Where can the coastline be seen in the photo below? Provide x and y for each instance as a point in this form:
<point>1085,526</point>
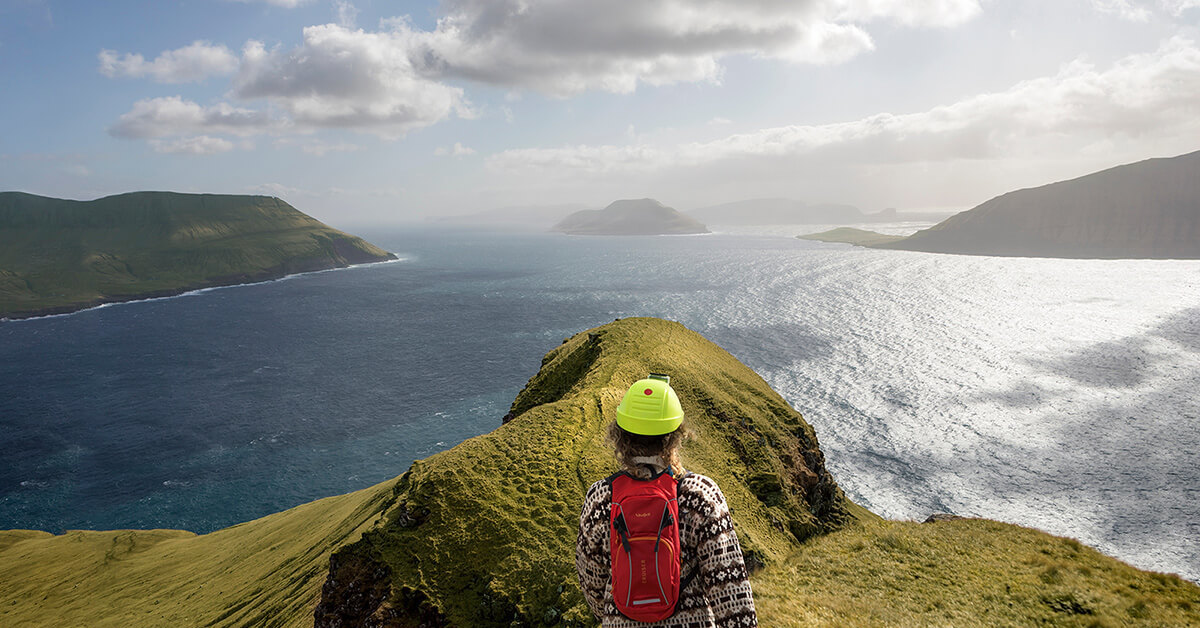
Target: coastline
<point>158,295</point>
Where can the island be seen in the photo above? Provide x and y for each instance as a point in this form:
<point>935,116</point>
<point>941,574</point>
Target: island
<point>1145,210</point>
<point>644,216</point>
<point>483,534</point>
<point>59,256</point>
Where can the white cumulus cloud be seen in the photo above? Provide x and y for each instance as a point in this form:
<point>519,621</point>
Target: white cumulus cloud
<point>173,116</point>
<point>1153,95</point>
<point>564,47</point>
<point>343,78</point>
<point>197,145</point>
<point>1142,10</point>
<point>458,150</point>
<point>194,62</point>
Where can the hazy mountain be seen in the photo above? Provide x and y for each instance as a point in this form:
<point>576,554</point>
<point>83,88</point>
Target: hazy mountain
<point>630,217</point>
<point>483,534</point>
<point>535,216</point>
<point>59,255</point>
<point>1148,209</point>
<point>776,211</point>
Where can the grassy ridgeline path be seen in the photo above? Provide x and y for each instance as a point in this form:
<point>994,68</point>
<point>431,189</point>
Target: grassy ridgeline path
<point>482,534</point>
<point>59,256</point>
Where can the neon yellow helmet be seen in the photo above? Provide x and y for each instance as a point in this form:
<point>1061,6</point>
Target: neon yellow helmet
<point>650,407</point>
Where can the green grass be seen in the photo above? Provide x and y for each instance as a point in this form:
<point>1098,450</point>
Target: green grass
<point>59,256</point>
<point>266,572</point>
<point>970,572</point>
<point>850,235</point>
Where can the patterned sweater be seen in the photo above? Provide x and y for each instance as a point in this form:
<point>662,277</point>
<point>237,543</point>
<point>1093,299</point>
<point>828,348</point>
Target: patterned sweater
<point>718,596</point>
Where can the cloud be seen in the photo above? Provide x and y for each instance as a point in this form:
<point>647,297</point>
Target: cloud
<point>347,13</point>
<point>1146,95</point>
<point>1177,7</point>
<point>1125,9</point>
<point>342,78</point>
<point>287,4</point>
<point>317,148</point>
<point>564,47</point>
<point>197,145</point>
<point>458,150</point>
<point>170,116</point>
<point>392,81</point>
<point>1140,10</point>
<point>195,62</point>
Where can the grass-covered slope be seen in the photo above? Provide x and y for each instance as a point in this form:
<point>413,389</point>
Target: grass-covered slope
<point>60,255</point>
<point>967,572</point>
<point>266,572</point>
<point>483,534</point>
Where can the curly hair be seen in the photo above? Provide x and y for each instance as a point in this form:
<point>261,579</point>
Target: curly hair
<point>627,446</point>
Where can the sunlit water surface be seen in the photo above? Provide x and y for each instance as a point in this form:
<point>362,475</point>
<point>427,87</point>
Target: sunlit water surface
<point>1059,394</point>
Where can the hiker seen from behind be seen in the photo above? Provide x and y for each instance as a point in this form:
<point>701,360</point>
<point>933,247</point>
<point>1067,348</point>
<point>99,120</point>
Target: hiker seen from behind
<point>656,544</point>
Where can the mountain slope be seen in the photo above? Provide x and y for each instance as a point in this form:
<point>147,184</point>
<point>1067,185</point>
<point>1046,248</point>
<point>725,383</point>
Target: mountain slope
<point>60,255</point>
<point>644,216</point>
<point>1149,209</point>
<point>266,572</point>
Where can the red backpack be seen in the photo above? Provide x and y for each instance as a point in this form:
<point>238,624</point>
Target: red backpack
<point>644,544</point>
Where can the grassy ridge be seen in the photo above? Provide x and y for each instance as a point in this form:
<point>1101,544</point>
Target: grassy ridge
<point>266,572</point>
<point>59,255</point>
<point>483,534</point>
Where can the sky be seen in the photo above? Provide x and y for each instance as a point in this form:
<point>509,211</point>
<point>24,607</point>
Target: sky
<point>364,111</point>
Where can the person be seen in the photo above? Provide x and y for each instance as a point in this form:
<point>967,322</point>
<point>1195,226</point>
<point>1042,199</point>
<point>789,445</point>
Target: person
<point>714,586</point>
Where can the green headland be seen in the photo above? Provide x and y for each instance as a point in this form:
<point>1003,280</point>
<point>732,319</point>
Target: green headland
<point>850,235</point>
<point>59,256</point>
<point>483,534</point>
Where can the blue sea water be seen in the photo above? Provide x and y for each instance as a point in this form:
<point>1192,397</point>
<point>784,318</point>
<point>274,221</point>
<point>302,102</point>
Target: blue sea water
<point>1059,394</point>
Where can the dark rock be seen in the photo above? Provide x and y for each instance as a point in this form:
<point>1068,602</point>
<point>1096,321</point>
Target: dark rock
<point>942,516</point>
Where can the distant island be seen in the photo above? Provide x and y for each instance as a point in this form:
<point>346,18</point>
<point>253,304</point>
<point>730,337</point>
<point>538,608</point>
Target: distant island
<point>1145,210</point>
<point>786,211</point>
<point>59,256</point>
<point>644,216</point>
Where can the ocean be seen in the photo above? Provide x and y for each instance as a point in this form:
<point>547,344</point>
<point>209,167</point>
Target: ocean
<point>1057,394</point>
